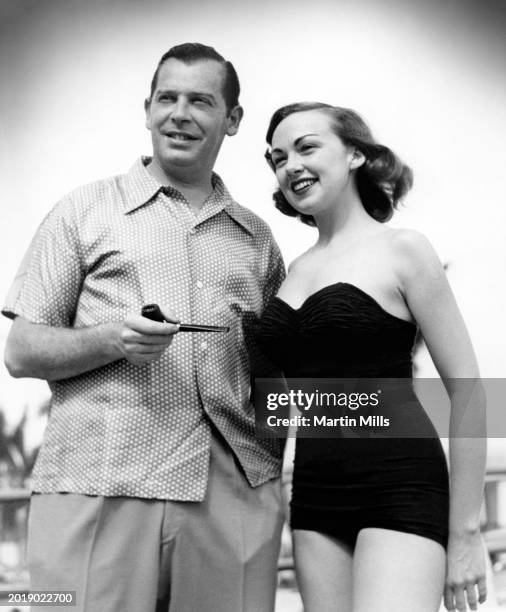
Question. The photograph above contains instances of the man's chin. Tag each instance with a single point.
(181, 159)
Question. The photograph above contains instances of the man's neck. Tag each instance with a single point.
(196, 187)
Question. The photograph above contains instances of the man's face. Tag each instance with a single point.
(187, 115)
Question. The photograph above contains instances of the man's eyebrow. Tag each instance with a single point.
(296, 142)
(191, 93)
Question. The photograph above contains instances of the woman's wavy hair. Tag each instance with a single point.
(382, 180)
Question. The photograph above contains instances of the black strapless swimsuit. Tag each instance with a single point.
(342, 485)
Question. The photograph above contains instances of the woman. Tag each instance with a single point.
(372, 523)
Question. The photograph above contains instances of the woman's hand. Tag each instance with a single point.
(465, 572)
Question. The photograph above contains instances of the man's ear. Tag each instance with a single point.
(234, 120)
(357, 159)
(147, 107)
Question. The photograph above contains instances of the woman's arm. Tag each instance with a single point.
(423, 283)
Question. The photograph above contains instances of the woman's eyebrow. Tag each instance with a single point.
(296, 142)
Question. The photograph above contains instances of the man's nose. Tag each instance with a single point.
(180, 111)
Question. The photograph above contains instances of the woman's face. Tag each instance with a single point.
(311, 162)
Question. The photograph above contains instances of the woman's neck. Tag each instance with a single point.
(347, 219)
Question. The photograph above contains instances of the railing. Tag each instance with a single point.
(494, 533)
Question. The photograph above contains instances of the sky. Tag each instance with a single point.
(428, 76)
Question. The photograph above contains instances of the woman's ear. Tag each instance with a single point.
(357, 159)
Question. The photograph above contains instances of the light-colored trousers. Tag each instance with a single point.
(135, 555)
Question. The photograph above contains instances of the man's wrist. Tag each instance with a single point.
(108, 338)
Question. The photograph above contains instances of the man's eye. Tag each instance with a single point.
(200, 101)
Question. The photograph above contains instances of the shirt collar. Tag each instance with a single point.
(141, 187)
(239, 215)
(222, 197)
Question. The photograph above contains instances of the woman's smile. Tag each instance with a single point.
(302, 185)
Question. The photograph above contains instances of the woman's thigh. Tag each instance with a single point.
(395, 571)
(324, 571)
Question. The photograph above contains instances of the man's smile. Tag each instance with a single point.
(180, 136)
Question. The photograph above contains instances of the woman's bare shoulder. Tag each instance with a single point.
(299, 263)
(410, 242)
(414, 255)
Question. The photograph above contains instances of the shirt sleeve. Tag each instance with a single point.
(47, 285)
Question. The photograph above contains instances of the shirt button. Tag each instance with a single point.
(199, 284)
(203, 346)
(192, 231)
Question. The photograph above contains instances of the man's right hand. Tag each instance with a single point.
(143, 341)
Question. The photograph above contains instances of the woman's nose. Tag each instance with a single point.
(294, 166)
(294, 169)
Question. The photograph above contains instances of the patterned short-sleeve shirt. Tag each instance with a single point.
(106, 250)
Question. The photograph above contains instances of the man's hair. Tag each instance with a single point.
(190, 53)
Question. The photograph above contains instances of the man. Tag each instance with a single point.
(150, 489)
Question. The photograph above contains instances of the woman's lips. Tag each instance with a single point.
(302, 185)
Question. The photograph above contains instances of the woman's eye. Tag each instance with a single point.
(307, 147)
(278, 161)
